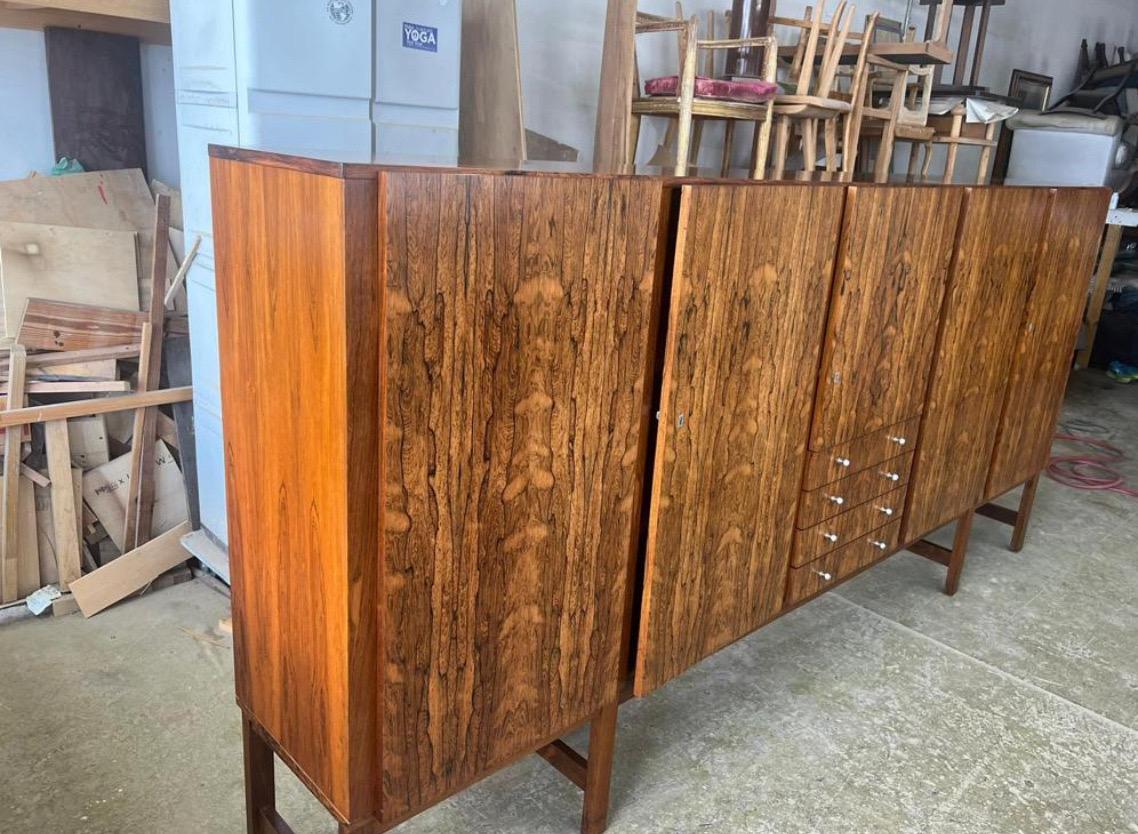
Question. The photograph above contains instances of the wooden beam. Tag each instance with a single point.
(153, 11)
(10, 490)
(64, 511)
(614, 99)
(83, 408)
(79, 386)
(140, 495)
(573, 765)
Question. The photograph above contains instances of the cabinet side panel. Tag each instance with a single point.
(750, 286)
(1047, 338)
(893, 265)
(995, 256)
(518, 320)
(282, 276)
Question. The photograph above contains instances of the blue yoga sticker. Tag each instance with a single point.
(420, 37)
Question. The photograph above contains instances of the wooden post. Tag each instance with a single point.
(1023, 517)
(614, 100)
(10, 546)
(260, 787)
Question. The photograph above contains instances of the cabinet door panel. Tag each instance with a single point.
(991, 277)
(893, 263)
(752, 273)
(1047, 339)
(518, 323)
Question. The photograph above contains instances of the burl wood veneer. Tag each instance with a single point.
(503, 448)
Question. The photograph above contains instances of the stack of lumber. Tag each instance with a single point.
(93, 502)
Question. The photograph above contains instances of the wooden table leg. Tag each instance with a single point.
(1023, 517)
(598, 777)
(959, 553)
(1110, 245)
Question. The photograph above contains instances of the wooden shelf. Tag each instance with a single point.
(148, 20)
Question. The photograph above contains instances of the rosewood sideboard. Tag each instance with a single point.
(506, 448)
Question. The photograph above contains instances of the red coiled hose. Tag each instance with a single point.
(1089, 471)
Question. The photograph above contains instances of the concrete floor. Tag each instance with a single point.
(882, 707)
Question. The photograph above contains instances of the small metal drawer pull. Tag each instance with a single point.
(824, 575)
(900, 441)
(880, 545)
(837, 499)
(842, 461)
(891, 476)
(886, 510)
(830, 537)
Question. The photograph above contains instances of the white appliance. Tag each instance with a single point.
(1068, 148)
(350, 79)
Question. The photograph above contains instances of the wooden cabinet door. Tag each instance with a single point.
(1047, 338)
(991, 278)
(893, 263)
(519, 322)
(753, 270)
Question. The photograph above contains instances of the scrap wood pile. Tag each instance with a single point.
(93, 503)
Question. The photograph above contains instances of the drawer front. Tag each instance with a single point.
(841, 530)
(845, 459)
(832, 568)
(834, 499)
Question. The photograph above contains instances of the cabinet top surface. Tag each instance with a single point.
(367, 169)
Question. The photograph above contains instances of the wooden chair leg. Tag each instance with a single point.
(633, 139)
(760, 146)
(831, 139)
(959, 553)
(950, 163)
(1023, 517)
(809, 147)
(696, 142)
(598, 777)
(986, 156)
(914, 159)
(781, 146)
(728, 146)
(883, 167)
(928, 147)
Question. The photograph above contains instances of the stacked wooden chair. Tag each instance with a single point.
(688, 99)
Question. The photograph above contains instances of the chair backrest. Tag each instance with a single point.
(813, 74)
(886, 30)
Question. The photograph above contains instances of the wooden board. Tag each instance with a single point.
(992, 273)
(45, 537)
(65, 263)
(519, 327)
(56, 325)
(131, 572)
(95, 84)
(893, 263)
(64, 508)
(29, 558)
(1047, 339)
(614, 97)
(10, 483)
(101, 200)
(491, 131)
(105, 492)
(753, 273)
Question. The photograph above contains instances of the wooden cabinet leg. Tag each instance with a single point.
(260, 790)
(1023, 517)
(598, 777)
(959, 552)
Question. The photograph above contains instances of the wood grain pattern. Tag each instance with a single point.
(58, 325)
(859, 455)
(753, 269)
(992, 273)
(299, 316)
(893, 263)
(823, 574)
(835, 532)
(1047, 338)
(518, 315)
(819, 504)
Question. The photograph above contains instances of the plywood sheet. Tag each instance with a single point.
(65, 263)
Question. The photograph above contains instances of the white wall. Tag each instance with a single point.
(560, 51)
(25, 112)
(25, 109)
